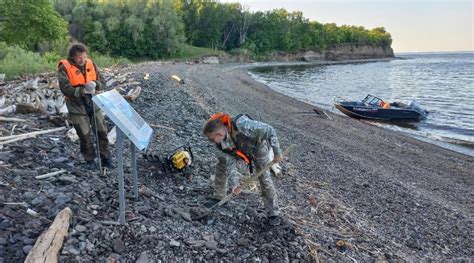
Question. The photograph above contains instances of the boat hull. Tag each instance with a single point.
(372, 113)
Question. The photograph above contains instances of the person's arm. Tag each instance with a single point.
(260, 130)
(101, 85)
(65, 85)
(226, 171)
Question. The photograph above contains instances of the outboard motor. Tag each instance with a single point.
(414, 105)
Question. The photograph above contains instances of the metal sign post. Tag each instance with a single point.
(121, 179)
(134, 171)
(132, 125)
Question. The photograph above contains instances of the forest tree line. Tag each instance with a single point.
(162, 28)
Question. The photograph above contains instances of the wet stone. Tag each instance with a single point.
(26, 249)
(81, 228)
(143, 258)
(119, 246)
(29, 241)
(39, 200)
(74, 251)
(62, 199)
(174, 243)
(60, 160)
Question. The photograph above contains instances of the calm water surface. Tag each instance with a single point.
(442, 83)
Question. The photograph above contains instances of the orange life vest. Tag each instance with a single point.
(227, 120)
(75, 75)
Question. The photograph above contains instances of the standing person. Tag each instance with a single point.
(247, 140)
(79, 79)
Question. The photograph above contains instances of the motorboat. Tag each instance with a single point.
(375, 108)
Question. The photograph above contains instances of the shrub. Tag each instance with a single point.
(17, 61)
(103, 61)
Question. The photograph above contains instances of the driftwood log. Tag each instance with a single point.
(8, 110)
(44, 176)
(133, 94)
(50, 242)
(11, 119)
(19, 137)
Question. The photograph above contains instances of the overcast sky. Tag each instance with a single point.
(418, 25)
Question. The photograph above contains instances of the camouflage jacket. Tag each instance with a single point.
(250, 134)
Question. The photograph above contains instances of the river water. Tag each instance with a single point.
(443, 83)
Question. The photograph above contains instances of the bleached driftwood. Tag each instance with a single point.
(44, 176)
(37, 95)
(32, 133)
(49, 243)
(63, 110)
(72, 135)
(5, 119)
(19, 137)
(8, 110)
(112, 136)
(133, 94)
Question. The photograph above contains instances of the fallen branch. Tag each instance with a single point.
(49, 244)
(19, 137)
(8, 110)
(13, 130)
(14, 140)
(163, 127)
(133, 94)
(5, 119)
(50, 174)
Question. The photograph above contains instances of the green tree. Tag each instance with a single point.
(159, 28)
(129, 28)
(28, 23)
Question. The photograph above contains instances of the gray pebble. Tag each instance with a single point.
(74, 251)
(119, 246)
(81, 228)
(27, 248)
(174, 243)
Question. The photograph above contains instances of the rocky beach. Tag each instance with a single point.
(349, 192)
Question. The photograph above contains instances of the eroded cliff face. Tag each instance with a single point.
(339, 53)
(343, 52)
(358, 52)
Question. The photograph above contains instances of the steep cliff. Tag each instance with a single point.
(342, 52)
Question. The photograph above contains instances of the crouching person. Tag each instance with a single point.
(238, 140)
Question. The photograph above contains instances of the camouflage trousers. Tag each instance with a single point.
(83, 125)
(229, 172)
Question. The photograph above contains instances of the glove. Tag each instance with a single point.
(89, 88)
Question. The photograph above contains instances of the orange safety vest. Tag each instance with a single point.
(226, 119)
(75, 75)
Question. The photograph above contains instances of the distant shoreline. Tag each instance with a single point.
(431, 52)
